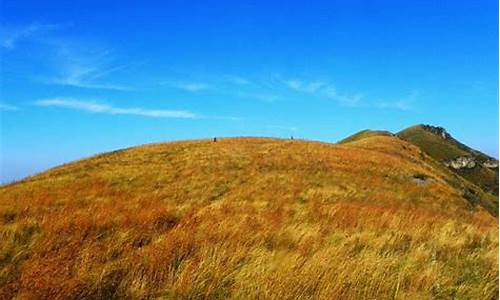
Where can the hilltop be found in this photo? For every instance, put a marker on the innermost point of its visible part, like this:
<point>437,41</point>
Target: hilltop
<point>476,167</point>
<point>365,134</point>
<point>436,143</point>
<point>250,218</point>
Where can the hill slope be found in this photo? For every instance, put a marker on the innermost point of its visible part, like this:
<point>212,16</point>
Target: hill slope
<point>471,164</point>
<point>364,134</point>
<point>249,218</point>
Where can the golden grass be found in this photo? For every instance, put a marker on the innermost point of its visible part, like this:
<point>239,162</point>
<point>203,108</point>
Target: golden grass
<point>247,219</point>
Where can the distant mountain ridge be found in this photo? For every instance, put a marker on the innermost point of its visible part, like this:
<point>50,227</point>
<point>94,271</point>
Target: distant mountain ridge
<point>472,165</point>
<point>413,133</point>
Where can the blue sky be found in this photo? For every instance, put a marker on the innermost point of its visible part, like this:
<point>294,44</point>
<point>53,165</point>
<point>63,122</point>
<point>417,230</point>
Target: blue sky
<point>94,76</point>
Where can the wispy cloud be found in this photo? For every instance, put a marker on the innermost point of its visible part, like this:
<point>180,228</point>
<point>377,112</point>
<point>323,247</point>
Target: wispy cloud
<point>71,61</point>
<point>236,80</point>
<point>84,68</point>
<point>95,107</point>
<point>272,88</point>
<point>10,36</point>
<point>227,118</point>
<point>226,86</point>
<point>304,87</point>
<point>406,103</point>
<point>322,89</point>
<point>344,99</point>
<point>327,90</point>
<point>265,97</point>
<point>71,80</point>
<point>8,107</point>
<point>287,128</point>
<point>192,86</point>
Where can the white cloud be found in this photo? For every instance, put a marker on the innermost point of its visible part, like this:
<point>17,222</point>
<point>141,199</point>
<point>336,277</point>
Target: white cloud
<point>81,83</point>
<point>112,110</point>
<point>400,104</point>
<point>236,80</point>
<point>406,103</point>
<point>266,97</point>
<point>259,96</point>
<point>10,36</point>
<point>8,107</point>
<point>227,118</point>
<point>71,62</point>
<point>84,67</point>
<point>343,99</point>
<point>193,86</point>
<point>323,89</point>
<point>279,127</point>
<point>304,87</point>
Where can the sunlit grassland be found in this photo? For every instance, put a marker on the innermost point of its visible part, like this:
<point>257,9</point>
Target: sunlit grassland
<point>248,219</point>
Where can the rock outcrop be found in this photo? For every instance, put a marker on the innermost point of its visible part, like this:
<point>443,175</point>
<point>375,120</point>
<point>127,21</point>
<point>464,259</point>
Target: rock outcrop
<point>467,162</point>
<point>440,131</point>
<point>462,162</point>
<point>492,164</point>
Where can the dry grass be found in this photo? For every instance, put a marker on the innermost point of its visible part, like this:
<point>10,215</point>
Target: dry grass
<point>247,219</point>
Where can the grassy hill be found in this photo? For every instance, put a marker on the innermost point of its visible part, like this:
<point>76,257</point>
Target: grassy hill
<point>250,218</point>
<point>364,134</point>
<point>441,146</point>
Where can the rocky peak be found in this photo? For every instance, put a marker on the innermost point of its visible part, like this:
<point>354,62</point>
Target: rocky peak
<point>437,130</point>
